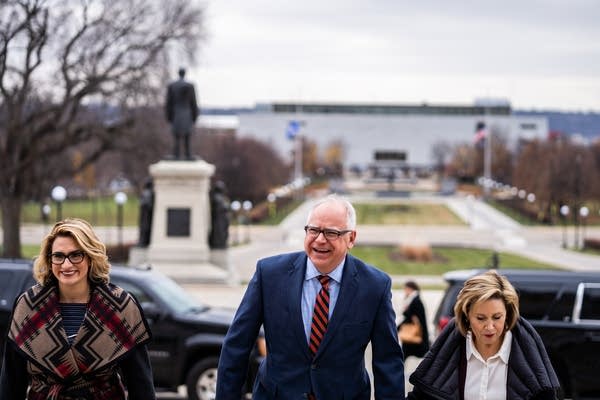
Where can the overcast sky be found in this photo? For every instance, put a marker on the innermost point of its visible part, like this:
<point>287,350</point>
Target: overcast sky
<point>538,54</point>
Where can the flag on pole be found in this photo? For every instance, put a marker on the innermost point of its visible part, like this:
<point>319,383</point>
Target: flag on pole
<point>293,127</point>
<point>480,132</point>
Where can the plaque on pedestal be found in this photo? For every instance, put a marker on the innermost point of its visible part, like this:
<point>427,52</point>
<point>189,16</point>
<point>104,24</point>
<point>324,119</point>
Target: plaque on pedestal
<point>178,222</point>
<point>181,222</point>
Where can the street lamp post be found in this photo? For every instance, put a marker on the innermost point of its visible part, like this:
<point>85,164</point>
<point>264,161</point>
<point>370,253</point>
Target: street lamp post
<point>564,212</point>
<point>247,206</point>
<point>58,194</point>
<point>235,207</point>
<point>120,199</point>
<point>272,198</point>
<point>531,200</point>
<point>583,212</point>
<point>46,209</point>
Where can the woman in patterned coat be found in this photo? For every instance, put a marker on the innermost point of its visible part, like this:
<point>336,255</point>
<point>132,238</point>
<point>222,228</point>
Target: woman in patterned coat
<point>74,335</point>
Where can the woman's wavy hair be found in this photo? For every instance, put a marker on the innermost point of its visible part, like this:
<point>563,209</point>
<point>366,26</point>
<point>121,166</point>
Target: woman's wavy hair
<point>486,286</point>
<point>87,241</point>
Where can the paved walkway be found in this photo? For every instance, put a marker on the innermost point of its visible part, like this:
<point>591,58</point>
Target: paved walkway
<point>485,227</point>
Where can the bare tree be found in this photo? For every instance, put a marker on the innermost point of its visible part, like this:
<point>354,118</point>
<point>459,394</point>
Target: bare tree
<point>69,73</point>
<point>333,158</point>
<point>249,168</point>
<point>502,158</point>
<point>595,151</point>
<point>441,151</point>
<point>559,173</point>
<point>463,164</point>
<point>467,160</point>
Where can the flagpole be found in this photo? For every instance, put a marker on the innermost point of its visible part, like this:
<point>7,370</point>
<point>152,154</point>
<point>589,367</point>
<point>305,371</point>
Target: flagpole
<point>487,154</point>
<point>298,152</point>
<point>298,159</point>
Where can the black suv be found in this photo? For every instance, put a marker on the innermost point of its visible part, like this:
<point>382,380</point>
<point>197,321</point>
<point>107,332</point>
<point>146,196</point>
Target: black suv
<point>186,335</point>
<point>564,308</point>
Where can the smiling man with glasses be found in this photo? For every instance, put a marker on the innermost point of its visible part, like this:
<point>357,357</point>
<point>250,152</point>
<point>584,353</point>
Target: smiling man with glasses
<point>320,308</point>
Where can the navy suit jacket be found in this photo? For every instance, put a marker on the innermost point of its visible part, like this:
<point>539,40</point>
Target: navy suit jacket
<point>363,313</point>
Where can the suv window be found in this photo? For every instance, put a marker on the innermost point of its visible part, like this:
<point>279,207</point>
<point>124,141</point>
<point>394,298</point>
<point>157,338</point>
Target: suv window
<point>537,301</point>
<point>533,303</point>
<point>562,310</point>
<point>6,287</point>
<point>590,304</point>
<point>134,290</point>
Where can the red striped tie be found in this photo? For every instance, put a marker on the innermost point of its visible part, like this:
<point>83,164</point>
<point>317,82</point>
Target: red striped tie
<point>320,315</point>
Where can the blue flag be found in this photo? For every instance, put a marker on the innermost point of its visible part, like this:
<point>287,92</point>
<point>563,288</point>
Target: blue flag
<point>292,129</point>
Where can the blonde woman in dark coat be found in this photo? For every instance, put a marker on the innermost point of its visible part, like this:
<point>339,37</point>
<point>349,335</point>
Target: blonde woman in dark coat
<point>487,351</point>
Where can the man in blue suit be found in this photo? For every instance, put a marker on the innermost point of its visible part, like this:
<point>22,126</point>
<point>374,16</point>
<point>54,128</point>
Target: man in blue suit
<point>323,359</point>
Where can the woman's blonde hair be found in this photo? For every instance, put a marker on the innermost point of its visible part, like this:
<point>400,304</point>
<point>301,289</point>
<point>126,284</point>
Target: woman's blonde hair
<point>486,286</point>
<point>87,241</point>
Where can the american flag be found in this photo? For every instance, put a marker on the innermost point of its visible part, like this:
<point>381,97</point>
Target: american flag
<point>480,132</point>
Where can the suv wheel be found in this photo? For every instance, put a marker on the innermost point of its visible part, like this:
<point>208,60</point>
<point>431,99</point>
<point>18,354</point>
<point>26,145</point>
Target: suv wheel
<point>201,381</point>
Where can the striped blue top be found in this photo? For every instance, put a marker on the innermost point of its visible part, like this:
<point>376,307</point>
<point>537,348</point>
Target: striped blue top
<point>72,315</point>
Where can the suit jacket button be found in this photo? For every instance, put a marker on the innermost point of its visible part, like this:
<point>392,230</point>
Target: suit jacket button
<point>313,366</point>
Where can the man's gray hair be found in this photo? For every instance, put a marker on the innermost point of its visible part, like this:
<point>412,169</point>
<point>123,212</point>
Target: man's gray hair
<point>333,198</point>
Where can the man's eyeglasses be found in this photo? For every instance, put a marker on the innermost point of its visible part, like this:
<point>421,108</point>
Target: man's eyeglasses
<point>330,234</point>
<point>75,257</point>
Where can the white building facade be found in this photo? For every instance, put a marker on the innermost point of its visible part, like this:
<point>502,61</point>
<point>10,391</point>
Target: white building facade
<point>364,130</point>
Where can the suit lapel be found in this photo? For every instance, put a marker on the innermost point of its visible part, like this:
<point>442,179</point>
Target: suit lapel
<point>297,272</point>
<point>345,298</point>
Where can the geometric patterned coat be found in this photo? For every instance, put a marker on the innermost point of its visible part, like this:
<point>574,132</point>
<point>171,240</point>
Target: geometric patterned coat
<point>111,340</point>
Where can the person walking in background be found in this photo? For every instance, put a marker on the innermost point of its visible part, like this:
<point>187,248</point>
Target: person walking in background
<point>74,335</point>
<point>487,351</point>
<point>414,320</point>
<point>320,309</point>
<point>182,111</point>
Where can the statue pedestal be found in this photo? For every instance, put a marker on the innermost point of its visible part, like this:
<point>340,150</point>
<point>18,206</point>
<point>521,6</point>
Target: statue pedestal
<point>221,258</point>
<point>180,223</point>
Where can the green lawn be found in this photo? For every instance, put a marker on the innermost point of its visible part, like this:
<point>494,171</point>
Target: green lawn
<point>30,250</point>
<point>280,213</point>
<point>404,213</point>
<point>99,212</point>
<point>388,258</point>
<point>103,212</point>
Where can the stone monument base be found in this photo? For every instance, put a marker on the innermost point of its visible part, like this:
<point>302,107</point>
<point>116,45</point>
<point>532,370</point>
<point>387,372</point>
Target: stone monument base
<point>222,259</point>
<point>217,271</point>
<point>180,224</point>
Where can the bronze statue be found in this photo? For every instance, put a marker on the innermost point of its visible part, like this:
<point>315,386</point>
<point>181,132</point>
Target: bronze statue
<point>219,212</point>
<point>182,111</point>
<point>146,211</point>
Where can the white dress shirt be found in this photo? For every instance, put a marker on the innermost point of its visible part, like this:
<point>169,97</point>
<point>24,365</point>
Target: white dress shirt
<point>486,379</point>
